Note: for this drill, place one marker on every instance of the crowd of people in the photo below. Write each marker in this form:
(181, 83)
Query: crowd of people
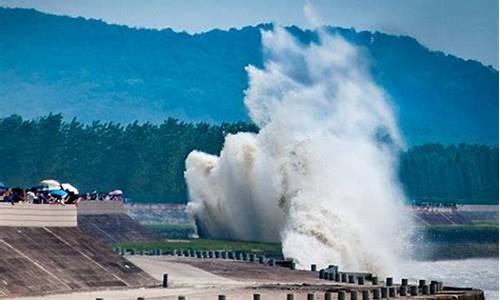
(36, 196)
(53, 192)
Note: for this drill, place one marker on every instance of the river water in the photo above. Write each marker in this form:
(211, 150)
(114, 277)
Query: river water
(480, 273)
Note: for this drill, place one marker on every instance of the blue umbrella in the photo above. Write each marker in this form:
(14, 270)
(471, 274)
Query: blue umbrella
(58, 193)
(2, 186)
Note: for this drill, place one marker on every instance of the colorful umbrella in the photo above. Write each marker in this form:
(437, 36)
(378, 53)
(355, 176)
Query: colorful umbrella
(116, 193)
(58, 193)
(50, 185)
(70, 188)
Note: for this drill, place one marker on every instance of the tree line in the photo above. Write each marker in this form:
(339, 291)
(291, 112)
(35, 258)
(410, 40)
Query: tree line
(453, 173)
(147, 160)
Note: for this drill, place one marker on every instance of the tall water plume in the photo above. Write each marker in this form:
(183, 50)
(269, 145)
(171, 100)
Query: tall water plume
(321, 174)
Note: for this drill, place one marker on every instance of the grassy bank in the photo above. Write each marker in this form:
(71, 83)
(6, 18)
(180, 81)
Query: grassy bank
(445, 251)
(438, 242)
(458, 241)
(473, 233)
(206, 244)
(172, 231)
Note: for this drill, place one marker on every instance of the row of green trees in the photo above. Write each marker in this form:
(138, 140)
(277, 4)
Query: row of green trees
(147, 160)
(457, 173)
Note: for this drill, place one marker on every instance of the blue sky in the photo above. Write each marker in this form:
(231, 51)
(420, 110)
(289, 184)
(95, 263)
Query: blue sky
(466, 28)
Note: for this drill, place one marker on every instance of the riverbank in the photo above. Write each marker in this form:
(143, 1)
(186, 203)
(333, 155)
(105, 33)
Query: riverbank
(457, 242)
(433, 242)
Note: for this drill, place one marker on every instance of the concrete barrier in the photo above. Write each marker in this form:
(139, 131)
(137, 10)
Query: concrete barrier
(403, 290)
(421, 283)
(365, 295)
(389, 281)
(165, 280)
(384, 292)
(341, 295)
(413, 290)
(425, 290)
(331, 276)
(38, 215)
(433, 288)
(101, 208)
(392, 292)
(272, 262)
(354, 295)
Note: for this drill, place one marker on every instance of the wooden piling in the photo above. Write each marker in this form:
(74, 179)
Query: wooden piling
(165, 280)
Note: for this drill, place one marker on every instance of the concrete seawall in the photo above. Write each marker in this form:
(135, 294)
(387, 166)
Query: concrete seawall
(38, 215)
(109, 222)
(101, 208)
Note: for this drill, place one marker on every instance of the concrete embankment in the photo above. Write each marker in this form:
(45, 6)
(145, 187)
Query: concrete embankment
(108, 222)
(197, 279)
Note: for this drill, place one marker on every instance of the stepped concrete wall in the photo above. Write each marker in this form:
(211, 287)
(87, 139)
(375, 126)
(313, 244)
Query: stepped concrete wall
(101, 208)
(109, 222)
(38, 215)
(41, 260)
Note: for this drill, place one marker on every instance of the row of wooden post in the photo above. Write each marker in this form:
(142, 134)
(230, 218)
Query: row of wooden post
(377, 293)
(199, 254)
(387, 291)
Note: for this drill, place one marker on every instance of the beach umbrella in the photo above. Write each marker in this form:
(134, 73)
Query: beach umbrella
(58, 193)
(116, 193)
(70, 188)
(50, 185)
(2, 186)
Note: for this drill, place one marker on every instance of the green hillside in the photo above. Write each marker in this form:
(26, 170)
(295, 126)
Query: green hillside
(96, 71)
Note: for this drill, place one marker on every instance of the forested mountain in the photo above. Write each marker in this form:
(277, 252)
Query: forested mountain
(461, 173)
(147, 160)
(96, 71)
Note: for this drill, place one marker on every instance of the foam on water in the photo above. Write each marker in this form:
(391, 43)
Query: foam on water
(321, 174)
(481, 273)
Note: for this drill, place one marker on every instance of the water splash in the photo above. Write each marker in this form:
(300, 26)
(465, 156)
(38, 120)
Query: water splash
(321, 174)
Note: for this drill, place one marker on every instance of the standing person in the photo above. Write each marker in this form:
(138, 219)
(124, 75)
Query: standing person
(16, 195)
(8, 197)
(43, 198)
(30, 196)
